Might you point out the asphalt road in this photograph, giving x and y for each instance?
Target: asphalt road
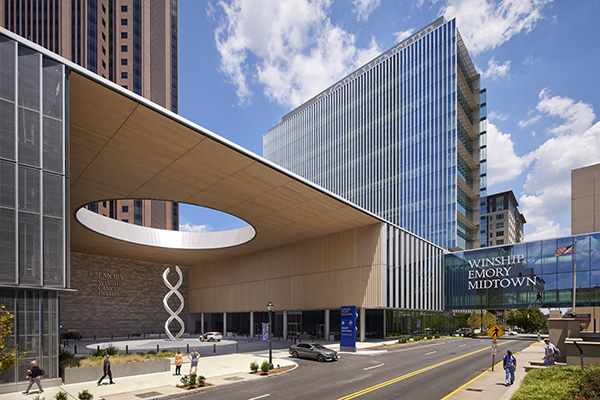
(423, 370)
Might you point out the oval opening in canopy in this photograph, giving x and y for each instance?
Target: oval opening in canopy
(204, 234)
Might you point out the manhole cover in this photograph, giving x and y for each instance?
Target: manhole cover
(474, 390)
(233, 378)
(148, 394)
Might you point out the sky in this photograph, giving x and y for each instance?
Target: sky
(243, 64)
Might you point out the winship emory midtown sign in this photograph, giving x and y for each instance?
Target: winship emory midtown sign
(493, 273)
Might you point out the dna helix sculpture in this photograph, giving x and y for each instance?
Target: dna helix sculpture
(173, 315)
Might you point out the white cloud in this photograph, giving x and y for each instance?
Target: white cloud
(503, 164)
(400, 36)
(526, 122)
(193, 228)
(546, 200)
(495, 70)
(496, 115)
(485, 24)
(364, 8)
(579, 116)
(289, 47)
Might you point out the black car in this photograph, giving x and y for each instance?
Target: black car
(314, 351)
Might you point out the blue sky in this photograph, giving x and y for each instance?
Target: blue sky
(243, 64)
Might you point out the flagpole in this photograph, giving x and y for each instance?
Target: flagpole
(574, 273)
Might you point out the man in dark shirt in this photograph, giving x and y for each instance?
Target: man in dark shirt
(35, 375)
(106, 371)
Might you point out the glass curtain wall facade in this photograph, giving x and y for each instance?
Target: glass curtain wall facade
(398, 137)
(33, 201)
(526, 275)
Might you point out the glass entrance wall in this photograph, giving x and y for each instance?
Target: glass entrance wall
(526, 275)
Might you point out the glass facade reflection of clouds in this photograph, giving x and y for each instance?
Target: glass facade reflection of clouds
(399, 137)
(526, 275)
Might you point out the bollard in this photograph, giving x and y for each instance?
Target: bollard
(157, 348)
(214, 348)
(111, 337)
(188, 348)
(144, 336)
(126, 349)
(98, 348)
(128, 336)
(75, 349)
(236, 347)
(94, 337)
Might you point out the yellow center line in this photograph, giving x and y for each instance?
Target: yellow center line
(411, 374)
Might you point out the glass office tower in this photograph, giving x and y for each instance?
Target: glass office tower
(33, 202)
(398, 137)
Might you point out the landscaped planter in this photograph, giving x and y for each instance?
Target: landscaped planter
(87, 374)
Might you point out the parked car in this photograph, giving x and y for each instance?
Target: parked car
(511, 332)
(211, 337)
(314, 351)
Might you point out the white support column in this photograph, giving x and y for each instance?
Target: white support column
(363, 323)
(252, 324)
(327, 327)
(224, 324)
(285, 325)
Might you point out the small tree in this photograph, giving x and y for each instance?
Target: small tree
(8, 354)
(254, 366)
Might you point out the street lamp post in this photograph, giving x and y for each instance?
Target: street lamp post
(270, 309)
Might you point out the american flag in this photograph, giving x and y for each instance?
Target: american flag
(564, 250)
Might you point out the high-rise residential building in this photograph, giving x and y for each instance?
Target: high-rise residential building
(504, 220)
(585, 200)
(399, 137)
(130, 42)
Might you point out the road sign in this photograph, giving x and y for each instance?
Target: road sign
(494, 351)
(495, 332)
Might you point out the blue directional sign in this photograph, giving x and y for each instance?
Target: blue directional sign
(348, 328)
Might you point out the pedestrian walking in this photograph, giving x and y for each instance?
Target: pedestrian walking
(549, 353)
(194, 356)
(178, 362)
(106, 369)
(509, 363)
(35, 375)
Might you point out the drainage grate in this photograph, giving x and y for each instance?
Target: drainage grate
(148, 394)
(474, 390)
(233, 378)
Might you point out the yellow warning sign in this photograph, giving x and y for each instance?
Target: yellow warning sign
(495, 332)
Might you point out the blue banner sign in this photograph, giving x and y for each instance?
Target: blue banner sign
(348, 327)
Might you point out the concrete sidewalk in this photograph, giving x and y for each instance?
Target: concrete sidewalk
(490, 384)
(224, 367)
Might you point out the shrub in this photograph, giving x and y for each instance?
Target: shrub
(38, 397)
(66, 359)
(193, 379)
(201, 380)
(110, 350)
(85, 395)
(403, 339)
(185, 380)
(254, 366)
(61, 396)
(265, 366)
(589, 385)
(417, 338)
(436, 336)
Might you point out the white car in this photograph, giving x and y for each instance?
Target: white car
(211, 337)
(511, 332)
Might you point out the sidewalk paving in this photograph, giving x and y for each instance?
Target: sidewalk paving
(490, 384)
